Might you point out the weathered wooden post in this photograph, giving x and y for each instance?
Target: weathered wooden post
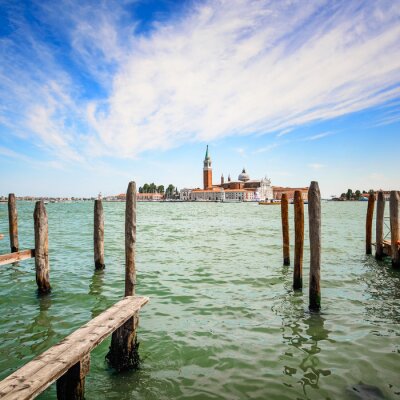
(299, 240)
(123, 352)
(71, 385)
(98, 235)
(380, 215)
(13, 222)
(41, 248)
(368, 224)
(285, 228)
(395, 227)
(314, 218)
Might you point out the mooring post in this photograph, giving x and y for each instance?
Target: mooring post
(71, 385)
(395, 227)
(13, 222)
(285, 228)
(314, 218)
(368, 224)
(41, 248)
(298, 240)
(98, 235)
(380, 215)
(123, 352)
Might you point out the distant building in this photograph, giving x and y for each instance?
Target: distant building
(244, 189)
(279, 190)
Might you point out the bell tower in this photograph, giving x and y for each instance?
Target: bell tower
(207, 172)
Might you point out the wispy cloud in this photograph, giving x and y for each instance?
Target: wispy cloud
(316, 166)
(221, 68)
(266, 148)
(318, 136)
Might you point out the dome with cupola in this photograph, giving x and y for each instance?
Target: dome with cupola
(244, 176)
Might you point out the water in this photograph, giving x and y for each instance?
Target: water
(223, 321)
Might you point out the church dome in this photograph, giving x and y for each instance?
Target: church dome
(244, 176)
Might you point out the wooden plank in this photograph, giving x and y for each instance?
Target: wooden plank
(42, 248)
(98, 235)
(395, 227)
(368, 224)
(123, 354)
(380, 215)
(34, 377)
(18, 256)
(130, 240)
(285, 229)
(13, 222)
(314, 220)
(298, 240)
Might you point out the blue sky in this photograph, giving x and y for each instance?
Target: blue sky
(94, 94)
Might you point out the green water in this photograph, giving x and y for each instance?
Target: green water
(223, 321)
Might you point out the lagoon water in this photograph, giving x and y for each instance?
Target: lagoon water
(223, 321)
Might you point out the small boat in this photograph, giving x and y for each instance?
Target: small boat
(269, 203)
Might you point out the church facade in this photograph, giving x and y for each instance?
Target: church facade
(242, 189)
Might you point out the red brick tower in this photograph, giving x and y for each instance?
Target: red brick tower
(207, 172)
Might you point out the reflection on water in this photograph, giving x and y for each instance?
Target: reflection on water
(223, 321)
(382, 284)
(41, 327)
(96, 290)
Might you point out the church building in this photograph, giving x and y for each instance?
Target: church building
(243, 189)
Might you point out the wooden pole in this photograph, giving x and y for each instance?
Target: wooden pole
(395, 227)
(41, 248)
(380, 214)
(130, 240)
(71, 385)
(98, 235)
(123, 352)
(285, 228)
(13, 222)
(299, 240)
(368, 224)
(314, 218)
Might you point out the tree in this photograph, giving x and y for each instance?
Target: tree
(140, 189)
(152, 188)
(160, 189)
(349, 194)
(343, 195)
(371, 192)
(357, 195)
(145, 188)
(170, 190)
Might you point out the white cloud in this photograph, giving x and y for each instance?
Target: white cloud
(316, 166)
(266, 148)
(318, 136)
(223, 68)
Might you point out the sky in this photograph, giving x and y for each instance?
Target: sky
(94, 94)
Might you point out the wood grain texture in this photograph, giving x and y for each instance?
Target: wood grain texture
(71, 385)
(380, 214)
(98, 235)
(35, 376)
(42, 248)
(285, 229)
(123, 354)
(130, 240)
(298, 240)
(13, 223)
(395, 227)
(314, 218)
(18, 256)
(368, 224)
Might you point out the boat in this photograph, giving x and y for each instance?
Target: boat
(269, 203)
